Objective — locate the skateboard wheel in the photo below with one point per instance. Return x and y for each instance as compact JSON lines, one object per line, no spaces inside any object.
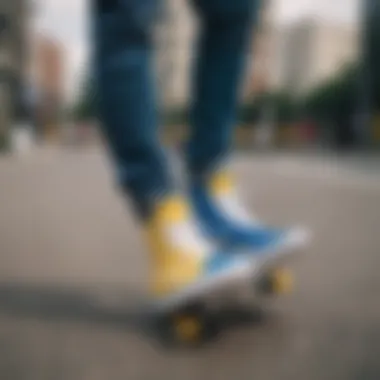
{"x":282,"y":281}
{"x":279,"y":282}
{"x":188,"y":329}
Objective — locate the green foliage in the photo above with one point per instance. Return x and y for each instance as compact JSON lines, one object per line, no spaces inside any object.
{"x":175,"y":116}
{"x":373,"y":56}
{"x":4,"y":142}
{"x":285,"y":107}
{"x":249,"y":113}
{"x":86,"y":107}
{"x":335,"y":96}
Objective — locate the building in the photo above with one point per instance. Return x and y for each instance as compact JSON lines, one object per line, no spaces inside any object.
{"x":175,"y":52}
{"x":176,"y":34}
{"x":13,"y":57}
{"x":47,"y":71}
{"x":261,"y":60}
{"x":311,"y":51}
{"x":49,"y":66}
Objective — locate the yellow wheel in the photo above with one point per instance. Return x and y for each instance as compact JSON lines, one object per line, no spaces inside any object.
{"x":190,"y":326}
{"x":188,"y":329}
{"x":282,"y":281}
{"x":279,"y":282}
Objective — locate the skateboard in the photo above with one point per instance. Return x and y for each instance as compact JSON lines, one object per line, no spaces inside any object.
{"x":199,"y":317}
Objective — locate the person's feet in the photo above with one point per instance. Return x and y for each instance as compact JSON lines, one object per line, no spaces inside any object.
{"x":183,"y":262}
{"x":218,"y":207}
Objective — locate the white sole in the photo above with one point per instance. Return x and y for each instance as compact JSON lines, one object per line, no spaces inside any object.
{"x":206,"y":286}
{"x":294,"y":246}
{"x":246,"y":269}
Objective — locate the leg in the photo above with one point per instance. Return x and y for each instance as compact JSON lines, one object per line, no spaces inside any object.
{"x":128,"y":108}
{"x":224,"y":41}
{"x":180,"y":256}
{"x":227,"y":28}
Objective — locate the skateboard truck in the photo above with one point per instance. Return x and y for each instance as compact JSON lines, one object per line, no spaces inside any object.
{"x":277,"y":282}
{"x":196,"y":323}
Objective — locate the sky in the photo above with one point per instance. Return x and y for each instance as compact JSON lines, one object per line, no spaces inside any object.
{"x":342,"y":11}
{"x":67,"y":21}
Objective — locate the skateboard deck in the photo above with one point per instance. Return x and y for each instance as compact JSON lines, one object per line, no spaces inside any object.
{"x":192,"y":317}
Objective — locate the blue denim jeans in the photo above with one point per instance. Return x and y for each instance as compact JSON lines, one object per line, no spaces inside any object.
{"x":123,"y":57}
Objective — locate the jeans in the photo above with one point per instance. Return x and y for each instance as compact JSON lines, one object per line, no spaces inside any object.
{"x":124,"y":70}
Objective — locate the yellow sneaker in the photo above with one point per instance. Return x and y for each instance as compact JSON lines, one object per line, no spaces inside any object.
{"x":183,"y":262}
{"x":177,"y":254}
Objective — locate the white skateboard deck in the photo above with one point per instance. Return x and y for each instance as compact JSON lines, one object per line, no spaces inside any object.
{"x":244,"y":274}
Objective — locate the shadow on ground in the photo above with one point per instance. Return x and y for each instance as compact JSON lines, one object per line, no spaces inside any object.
{"x":107,"y":308}
{"x":53,"y":302}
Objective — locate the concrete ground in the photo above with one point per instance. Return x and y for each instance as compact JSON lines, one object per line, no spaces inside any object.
{"x":67,"y":243}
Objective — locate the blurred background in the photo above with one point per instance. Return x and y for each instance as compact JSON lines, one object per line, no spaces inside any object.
{"x":311,"y":79}
{"x":307,"y":145}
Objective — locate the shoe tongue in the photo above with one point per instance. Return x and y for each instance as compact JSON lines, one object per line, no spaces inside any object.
{"x":187,"y":236}
{"x":172,"y":210}
{"x":180,"y":227}
{"x":225,"y":194}
{"x":231,"y":207}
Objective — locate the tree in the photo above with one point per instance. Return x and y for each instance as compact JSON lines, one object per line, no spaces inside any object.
{"x":334,"y":96}
{"x":334,"y":104}
{"x":285,"y":106}
{"x":371,"y":61}
{"x":86,"y":106}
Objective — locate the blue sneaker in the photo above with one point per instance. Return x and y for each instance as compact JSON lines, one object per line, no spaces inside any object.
{"x":225,"y":220}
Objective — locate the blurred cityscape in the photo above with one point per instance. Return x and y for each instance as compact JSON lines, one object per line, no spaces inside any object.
{"x":73,"y":266}
{"x":311,"y":82}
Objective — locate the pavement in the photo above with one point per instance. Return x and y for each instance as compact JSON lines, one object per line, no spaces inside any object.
{"x":72,"y":266}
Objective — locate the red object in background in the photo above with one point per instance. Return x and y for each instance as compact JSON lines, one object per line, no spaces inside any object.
{"x":308,"y":131}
